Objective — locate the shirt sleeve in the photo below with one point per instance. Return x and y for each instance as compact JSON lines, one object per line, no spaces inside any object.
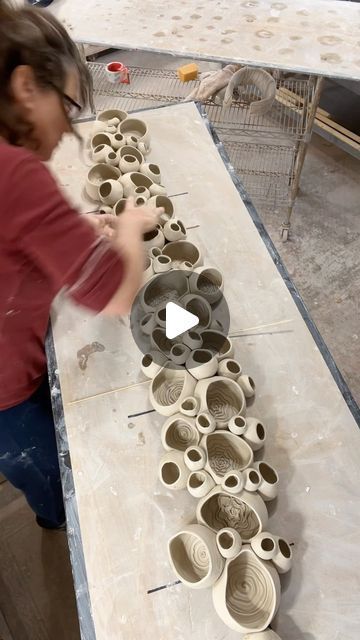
{"x":58,"y":239}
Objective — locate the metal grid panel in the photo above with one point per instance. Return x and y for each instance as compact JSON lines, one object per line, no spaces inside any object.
{"x":261,"y":148}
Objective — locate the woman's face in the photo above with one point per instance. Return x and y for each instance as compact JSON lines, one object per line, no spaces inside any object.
{"x":44,"y":109}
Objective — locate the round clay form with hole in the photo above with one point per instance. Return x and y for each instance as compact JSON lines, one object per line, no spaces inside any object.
{"x":111,"y":158}
{"x":200,"y":308}
{"x":139,"y":129}
{"x":173,"y":472}
{"x":132,"y":180}
{"x":247,"y":595}
{"x":201,"y":363}
{"x":233,"y":481}
{"x":154,"y":238}
{"x":283,"y":558}
{"x":225,"y":452}
{"x":195,"y":458}
{"x":205,"y":423}
{"x":207,"y":282}
{"x":179,"y":353}
{"x":170,"y":287}
{"x":152,"y":171}
{"x":222,"y":398}
{"x":194,"y":557}
{"x":192,"y":339}
{"x":128,"y":150}
{"x":255,"y":433}
{"x":169,"y":388}
{"x":264,"y":545}
{"x":218,"y":343}
{"x":190,"y":406}
{"x":151,"y":363}
{"x":109,"y":114}
{"x":102,"y":138}
{"x":246,"y":512}
{"x":98,"y":174}
{"x":179,"y":432}
{"x":165,"y":203}
{"x":157,"y":190}
{"x":237,"y":425}
{"x":110,"y":192}
{"x":100,"y":152}
{"x":162,"y":264}
{"x":119,"y":206}
{"x":129,"y":164}
{"x":269,"y":486}
{"x":247,"y":384}
{"x":104,"y":209}
{"x":229,"y":368}
{"x":252,"y":479}
{"x":174,"y":230}
{"x":229,"y":542}
{"x":183,"y":251}
{"x":200,"y":483}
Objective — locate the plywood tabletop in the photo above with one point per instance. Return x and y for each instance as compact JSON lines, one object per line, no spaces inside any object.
{"x":126,"y":516}
{"x":318,"y":37}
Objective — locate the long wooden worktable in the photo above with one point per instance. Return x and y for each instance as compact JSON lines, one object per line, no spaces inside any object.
{"x":119,"y":515}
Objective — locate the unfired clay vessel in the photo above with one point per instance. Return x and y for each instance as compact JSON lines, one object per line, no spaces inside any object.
{"x":164,"y":202}
{"x":222,"y":398}
{"x":233,"y":481}
{"x":100,"y":152}
{"x":195,"y":558}
{"x":104,"y":209}
{"x":255,"y":433}
{"x":179,"y":353}
{"x":229,"y":542}
{"x":160,"y":342}
{"x":98,"y":174}
{"x":225,"y":452}
{"x":182,"y":251}
{"x":118,"y":141}
{"x":246,"y":512}
{"x":148,"y":266}
{"x":101,"y":138}
{"x":142,"y":191}
{"x":139,"y":129}
{"x":252,"y":479}
{"x":205,"y":423}
{"x":119,"y":206}
{"x":157,"y":190}
{"x":173,"y":472}
{"x":201,"y":363}
{"x":264,"y":545}
{"x":160,"y":316}
{"x":109,"y":114}
{"x":229,"y":368}
{"x":283,"y":558}
{"x":247,"y":595}
{"x":190,"y":406}
{"x":169,"y":388}
{"x":237,"y":425}
{"x":110,"y":192}
{"x":154,"y":238}
{"x":218,"y":343}
{"x":128,"y":150}
{"x":151,"y":363}
{"x":170,"y":287}
{"x":179,"y":432}
{"x":148,"y":323}
{"x":207,"y":282}
{"x":192,"y":339}
{"x":195,"y":458}
{"x":161,"y":264}
{"x":132,"y":180}
{"x":174,"y":230}
{"x":152,"y":171}
{"x":111,"y":158}
{"x":198,"y":306}
{"x":269,"y":485}
{"x":247,"y":384}
{"x":200,"y":483}
{"x":128,"y":164}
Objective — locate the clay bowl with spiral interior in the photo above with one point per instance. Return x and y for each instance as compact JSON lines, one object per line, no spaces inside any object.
{"x":222,"y":398}
{"x":247,"y":595}
{"x":218,"y":343}
{"x":194,"y":557}
{"x":169,"y":388}
{"x":169,"y":288}
{"x":183,"y":251}
{"x":246,"y":512}
{"x":179,"y":432}
{"x":225,"y":452}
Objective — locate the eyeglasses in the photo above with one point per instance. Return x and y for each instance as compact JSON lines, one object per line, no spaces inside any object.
{"x":72,"y":107}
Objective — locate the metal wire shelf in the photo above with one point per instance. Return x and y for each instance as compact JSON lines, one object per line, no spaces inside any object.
{"x":261,"y":148}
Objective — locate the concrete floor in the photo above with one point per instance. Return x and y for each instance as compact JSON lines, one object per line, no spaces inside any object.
{"x":36,"y":591}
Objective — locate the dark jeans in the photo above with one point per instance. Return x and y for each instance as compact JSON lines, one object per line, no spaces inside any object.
{"x":28,"y":455}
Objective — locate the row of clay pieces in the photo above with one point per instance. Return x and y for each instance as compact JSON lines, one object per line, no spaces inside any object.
{"x":209,"y":440}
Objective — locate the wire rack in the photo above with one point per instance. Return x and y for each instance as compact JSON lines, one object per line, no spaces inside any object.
{"x":261,"y":148}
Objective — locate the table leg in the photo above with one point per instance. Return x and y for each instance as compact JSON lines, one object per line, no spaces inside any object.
{"x":300,"y":157}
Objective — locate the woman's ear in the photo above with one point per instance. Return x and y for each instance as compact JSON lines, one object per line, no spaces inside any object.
{"x":23,"y":87}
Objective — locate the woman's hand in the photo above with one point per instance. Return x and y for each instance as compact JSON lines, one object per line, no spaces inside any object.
{"x":139,"y":219}
{"x":102,"y":223}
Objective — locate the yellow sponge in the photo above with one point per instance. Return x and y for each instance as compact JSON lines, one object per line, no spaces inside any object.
{"x":188,"y":72}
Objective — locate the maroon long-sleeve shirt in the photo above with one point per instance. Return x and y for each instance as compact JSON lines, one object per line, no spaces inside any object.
{"x":44,"y":246}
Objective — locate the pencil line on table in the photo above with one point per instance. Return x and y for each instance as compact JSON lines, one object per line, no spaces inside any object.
{"x":260,"y":326}
{"x":106,"y":393}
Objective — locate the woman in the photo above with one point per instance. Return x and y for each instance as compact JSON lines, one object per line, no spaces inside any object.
{"x":45,"y":245}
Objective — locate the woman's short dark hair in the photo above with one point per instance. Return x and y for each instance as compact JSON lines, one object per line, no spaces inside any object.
{"x":34,"y":37}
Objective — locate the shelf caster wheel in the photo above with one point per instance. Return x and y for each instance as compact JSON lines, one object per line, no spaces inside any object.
{"x":284,"y":234}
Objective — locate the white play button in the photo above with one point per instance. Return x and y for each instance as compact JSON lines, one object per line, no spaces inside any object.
{"x":178,"y":320}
